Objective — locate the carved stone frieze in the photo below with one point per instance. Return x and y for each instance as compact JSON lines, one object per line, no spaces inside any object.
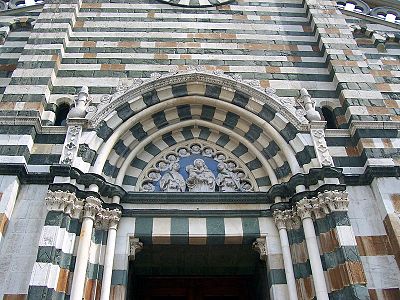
{"x":184,"y":168}
{"x":71,"y":145}
{"x":65,"y":202}
{"x":260,"y":245}
{"x":128,"y":89}
{"x":316,"y":208}
{"x":321,"y":148}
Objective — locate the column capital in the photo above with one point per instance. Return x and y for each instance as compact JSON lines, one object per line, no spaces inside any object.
{"x":65,"y":202}
{"x":281,"y":217}
{"x":260,"y":245}
{"x":135,"y":246}
{"x":91,"y":207}
{"x":107,"y":219}
{"x":335,"y":200}
{"x":304,"y":208}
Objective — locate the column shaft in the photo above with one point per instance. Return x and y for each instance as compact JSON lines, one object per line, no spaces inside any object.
{"x":108,"y":264}
{"x":287,"y":261}
{"x":82,"y":257}
{"x":315,"y":260}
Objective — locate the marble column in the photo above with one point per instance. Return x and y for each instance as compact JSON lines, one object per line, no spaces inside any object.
{"x":304,"y":210}
{"x":280,"y":218}
{"x":114,"y":217}
{"x":91,"y":207}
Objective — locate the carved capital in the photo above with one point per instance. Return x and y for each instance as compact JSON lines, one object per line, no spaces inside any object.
{"x":54,"y":201}
{"x":336,"y":200}
{"x":66,"y":202}
{"x":91,"y":207}
{"x":135,"y":246}
{"x":317,"y":208}
{"x":281,"y":218}
{"x":77,"y":209}
{"x":107,"y":219}
{"x":260,"y":245}
{"x":304,"y":209}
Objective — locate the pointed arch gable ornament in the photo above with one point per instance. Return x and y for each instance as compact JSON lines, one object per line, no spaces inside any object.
{"x":197,"y":81}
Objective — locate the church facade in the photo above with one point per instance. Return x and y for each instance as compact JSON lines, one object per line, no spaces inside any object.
{"x":199,"y":149}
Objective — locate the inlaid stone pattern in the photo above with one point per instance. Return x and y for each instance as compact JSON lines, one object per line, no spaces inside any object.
{"x":196,"y":3}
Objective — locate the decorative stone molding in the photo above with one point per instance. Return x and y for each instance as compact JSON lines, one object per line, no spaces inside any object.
{"x":260,"y":245}
{"x":107,"y":219}
{"x":129,"y":89}
{"x":71,"y":145}
{"x":315,"y":208}
{"x":320,"y":146}
{"x":135,"y":246}
{"x":166,"y":170}
{"x":65,"y":202}
{"x":387,"y":13}
{"x":92,"y":207}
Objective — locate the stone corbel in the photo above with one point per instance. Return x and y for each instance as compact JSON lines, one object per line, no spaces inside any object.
{"x":260,"y":245}
{"x":135,"y":246}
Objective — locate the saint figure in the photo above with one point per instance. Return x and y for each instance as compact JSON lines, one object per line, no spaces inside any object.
{"x":227,"y":180}
{"x":172,"y":180}
{"x":200,"y":179}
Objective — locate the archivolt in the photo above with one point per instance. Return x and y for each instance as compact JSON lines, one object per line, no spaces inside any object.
{"x":253,"y":123}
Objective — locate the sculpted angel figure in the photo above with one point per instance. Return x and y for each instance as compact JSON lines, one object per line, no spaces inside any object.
{"x":227,"y":180}
{"x":200,"y":179}
{"x":172,"y":180}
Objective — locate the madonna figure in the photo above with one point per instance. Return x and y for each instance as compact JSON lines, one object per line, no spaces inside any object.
{"x":200,"y":179}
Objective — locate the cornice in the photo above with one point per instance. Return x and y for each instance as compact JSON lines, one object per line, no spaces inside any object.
{"x":284,"y":190}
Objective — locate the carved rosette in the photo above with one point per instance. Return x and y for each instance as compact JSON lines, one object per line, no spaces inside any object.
{"x":316,"y":208}
{"x":71,"y":145}
{"x":66,"y":202}
{"x":260,"y":245}
{"x":135,"y":246}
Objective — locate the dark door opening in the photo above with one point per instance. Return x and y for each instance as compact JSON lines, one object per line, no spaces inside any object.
{"x":194,"y":288}
{"x":188,"y":272}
